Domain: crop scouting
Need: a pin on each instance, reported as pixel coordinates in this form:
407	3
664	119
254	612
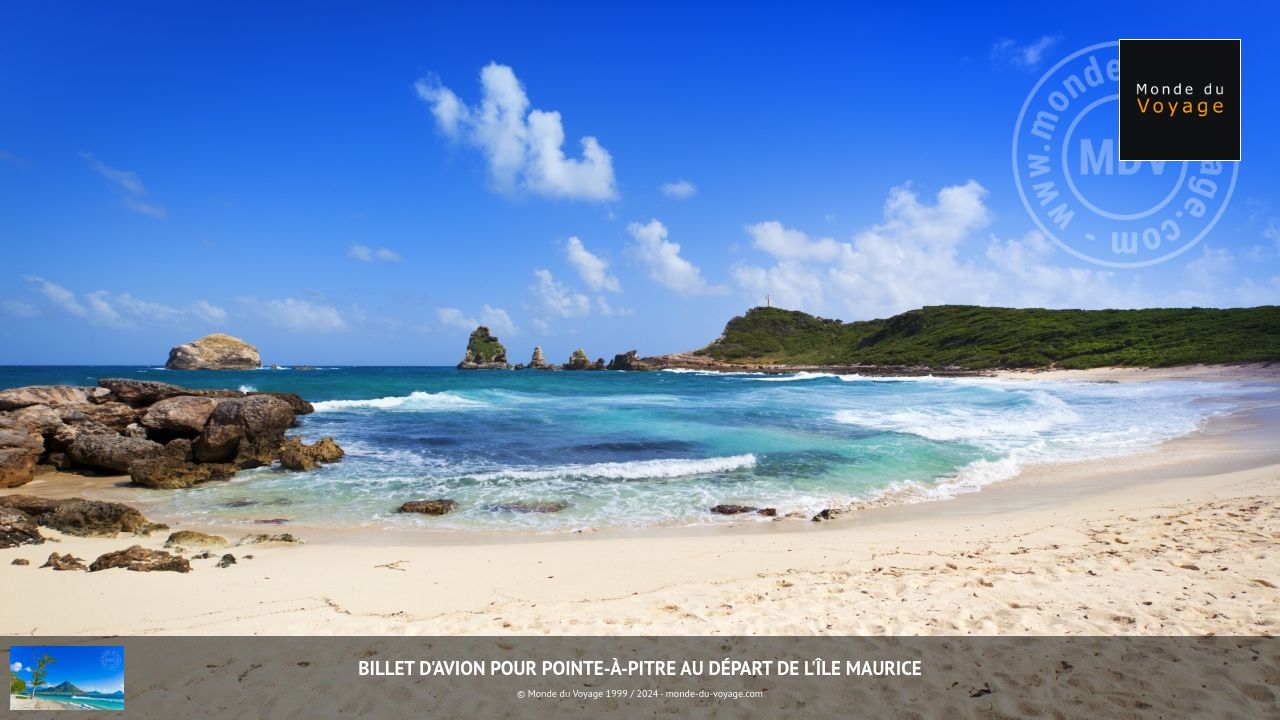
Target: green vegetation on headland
963	336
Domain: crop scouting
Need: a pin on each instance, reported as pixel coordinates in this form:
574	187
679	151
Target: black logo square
1180	100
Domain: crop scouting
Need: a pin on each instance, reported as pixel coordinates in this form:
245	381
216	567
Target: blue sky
81	665
326	182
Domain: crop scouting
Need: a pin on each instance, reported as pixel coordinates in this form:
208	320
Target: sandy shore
36	703
1180	540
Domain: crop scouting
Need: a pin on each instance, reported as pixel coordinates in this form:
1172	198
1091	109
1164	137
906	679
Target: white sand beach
1178	540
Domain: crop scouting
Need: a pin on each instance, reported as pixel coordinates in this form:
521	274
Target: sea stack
538	362
484	352
578	361
214	352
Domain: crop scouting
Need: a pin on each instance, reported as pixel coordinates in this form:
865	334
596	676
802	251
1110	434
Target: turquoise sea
658	448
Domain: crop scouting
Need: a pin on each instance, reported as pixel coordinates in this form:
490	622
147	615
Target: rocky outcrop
165	472
442	506
191	538
140	559
629	361
484	352
17	528
141	393
227	561
163	435
64	562
77	516
214	352
111	452
54	396
20	448
245	431
578	361
538	361
184	415
296	455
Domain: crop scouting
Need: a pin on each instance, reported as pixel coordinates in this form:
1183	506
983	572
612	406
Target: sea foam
417	401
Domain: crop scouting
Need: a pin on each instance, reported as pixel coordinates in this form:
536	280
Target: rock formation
740	509
629	361
538	362
140	559
484	352
64	562
578	361
191	538
17	528
529	506
295	455
214	352
77	516
164	436
442	506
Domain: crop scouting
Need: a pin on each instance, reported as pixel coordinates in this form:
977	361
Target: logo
1107	211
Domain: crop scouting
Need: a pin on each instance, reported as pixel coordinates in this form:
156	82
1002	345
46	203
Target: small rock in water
20	561
64	562
828	514
272	521
227	560
732	509
441	506
529	506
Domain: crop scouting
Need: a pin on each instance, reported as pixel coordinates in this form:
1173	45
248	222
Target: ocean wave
1047	413
632	470
417	401
248	389
708	373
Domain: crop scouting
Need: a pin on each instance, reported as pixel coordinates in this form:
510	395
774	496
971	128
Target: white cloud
15	667
57	294
785	244
364	253
523	146
679	189
662	259
128	186
300	315
20	309
591	268
553	299
913	258
207	311
496	319
101	307
1027	56
606	309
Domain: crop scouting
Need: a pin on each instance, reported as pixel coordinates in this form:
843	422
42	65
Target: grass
972	337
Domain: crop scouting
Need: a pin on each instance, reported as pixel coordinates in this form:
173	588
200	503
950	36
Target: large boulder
30	504
140	559
111	452
300	406
296	455
17	528
20	449
214	352
184	415
484	352
115	415
41	418
140	393
166	472
96	518
247	431
54	396
191	538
